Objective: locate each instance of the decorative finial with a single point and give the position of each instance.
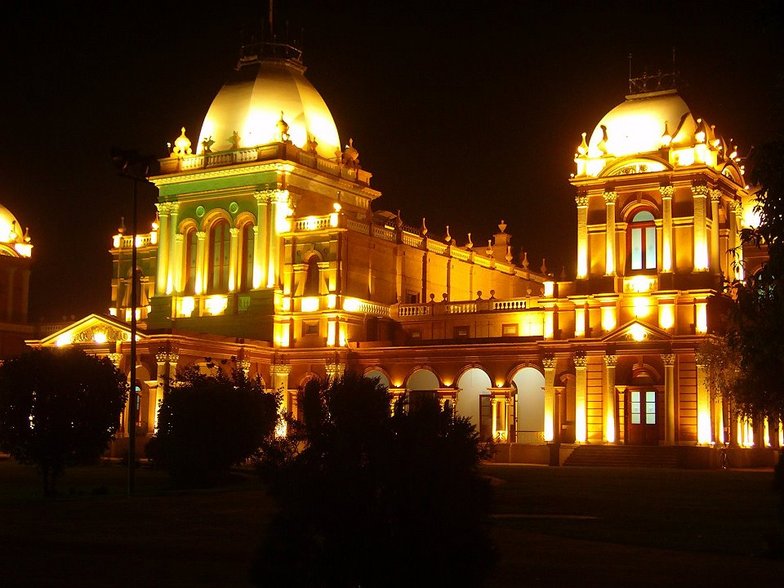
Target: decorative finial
(398, 221)
(502, 226)
(448, 237)
(283, 129)
(525, 263)
(312, 144)
(543, 269)
(182, 145)
(121, 228)
(207, 144)
(583, 148)
(351, 155)
(27, 235)
(423, 231)
(603, 143)
(470, 244)
(666, 138)
(509, 254)
(489, 249)
(234, 140)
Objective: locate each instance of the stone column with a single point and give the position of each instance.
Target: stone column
(233, 261)
(163, 248)
(668, 359)
(581, 397)
(733, 240)
(666, 249)
(582, 236)
(610, 257)
(550, 420)
(279, 374)
(608, 399)
(177, 267)
(175, 260)
(699, 194)
(715, 197)
(260, 232)
(704, 429)
(201, 269)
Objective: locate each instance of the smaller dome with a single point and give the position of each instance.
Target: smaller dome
(10, 231)
(637, 125)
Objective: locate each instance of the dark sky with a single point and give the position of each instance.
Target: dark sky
(465, 116)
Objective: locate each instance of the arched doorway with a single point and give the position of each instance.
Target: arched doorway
(422, 385)
(473, 400)
(529, 383)
(383, 379)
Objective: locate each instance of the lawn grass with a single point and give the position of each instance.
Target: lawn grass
(552, 527)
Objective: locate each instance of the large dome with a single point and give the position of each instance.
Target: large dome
(251, 104)
(638, 124)
(10, 231)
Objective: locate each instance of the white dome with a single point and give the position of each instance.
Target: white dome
(251, 104)
(636, 126)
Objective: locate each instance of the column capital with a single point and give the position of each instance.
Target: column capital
(335, 369)
(581, 200)
(201, 235)
(668, 359)
(264, 196)
(610, 360)
(579, 359)
(234, 231)
(715, 195)
(115, 359)
(667, 191)
(280, 369)
(548, 362)
(699, 190)
(610, 197)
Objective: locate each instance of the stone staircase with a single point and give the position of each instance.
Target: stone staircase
(628, 456)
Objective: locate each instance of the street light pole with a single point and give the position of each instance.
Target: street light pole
(136, 168)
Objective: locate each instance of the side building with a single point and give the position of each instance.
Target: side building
(267, 251)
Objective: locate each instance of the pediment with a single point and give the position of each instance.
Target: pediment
(90, 330)
(636, 331)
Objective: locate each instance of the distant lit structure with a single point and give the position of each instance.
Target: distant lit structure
(266, 249)
(16, 250)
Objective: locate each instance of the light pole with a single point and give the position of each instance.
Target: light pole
(135, 167)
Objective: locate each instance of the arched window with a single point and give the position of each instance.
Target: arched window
(642, 241)
(189, 278)
(220, 240)
(312, 277)
(246, 257)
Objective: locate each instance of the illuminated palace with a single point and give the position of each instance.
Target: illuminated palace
(267, 251)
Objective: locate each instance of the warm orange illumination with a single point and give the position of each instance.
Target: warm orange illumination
(549, 288)
(186, 304)
(666, 315)
(216, 305)
(100, 337)
(701, 317)
(352, 304)
(642, 306)
(63, 340)
(579, 322)
(608, 318)
(637, 332)
(309, 304)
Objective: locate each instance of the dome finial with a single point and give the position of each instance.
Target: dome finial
(448, 237)
(234, 140)
(603, 143)
(583, 148)
(666, 138)
(283, 129)
(182, 145)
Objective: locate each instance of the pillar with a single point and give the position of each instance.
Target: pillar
(260, 232)
(610, 257)
(733, 240)
(499, 401)
(608, 399)
(715, 198)
(177, 266)
(550, 420)
(704, 430)
(279, 374)
(581, 395)
(582, 236)
(163, 248)
(201, 272)
(233, 255)
(668, 359)
(174, 263)
(666, 250)
(699, 194)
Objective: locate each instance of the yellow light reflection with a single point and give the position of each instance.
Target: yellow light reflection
(608, 318)
(666, 316)
(309, 304)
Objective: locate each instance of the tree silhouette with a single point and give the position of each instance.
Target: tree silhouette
(377, 497)
(59, 408)
(210, 422)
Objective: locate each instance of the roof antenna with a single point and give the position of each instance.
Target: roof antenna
(630, 73)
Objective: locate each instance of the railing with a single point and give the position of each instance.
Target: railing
(414, 310)
(312, 223)
(511, 304)
(467, 307)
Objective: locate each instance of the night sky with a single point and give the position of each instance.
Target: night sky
(465, 116)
